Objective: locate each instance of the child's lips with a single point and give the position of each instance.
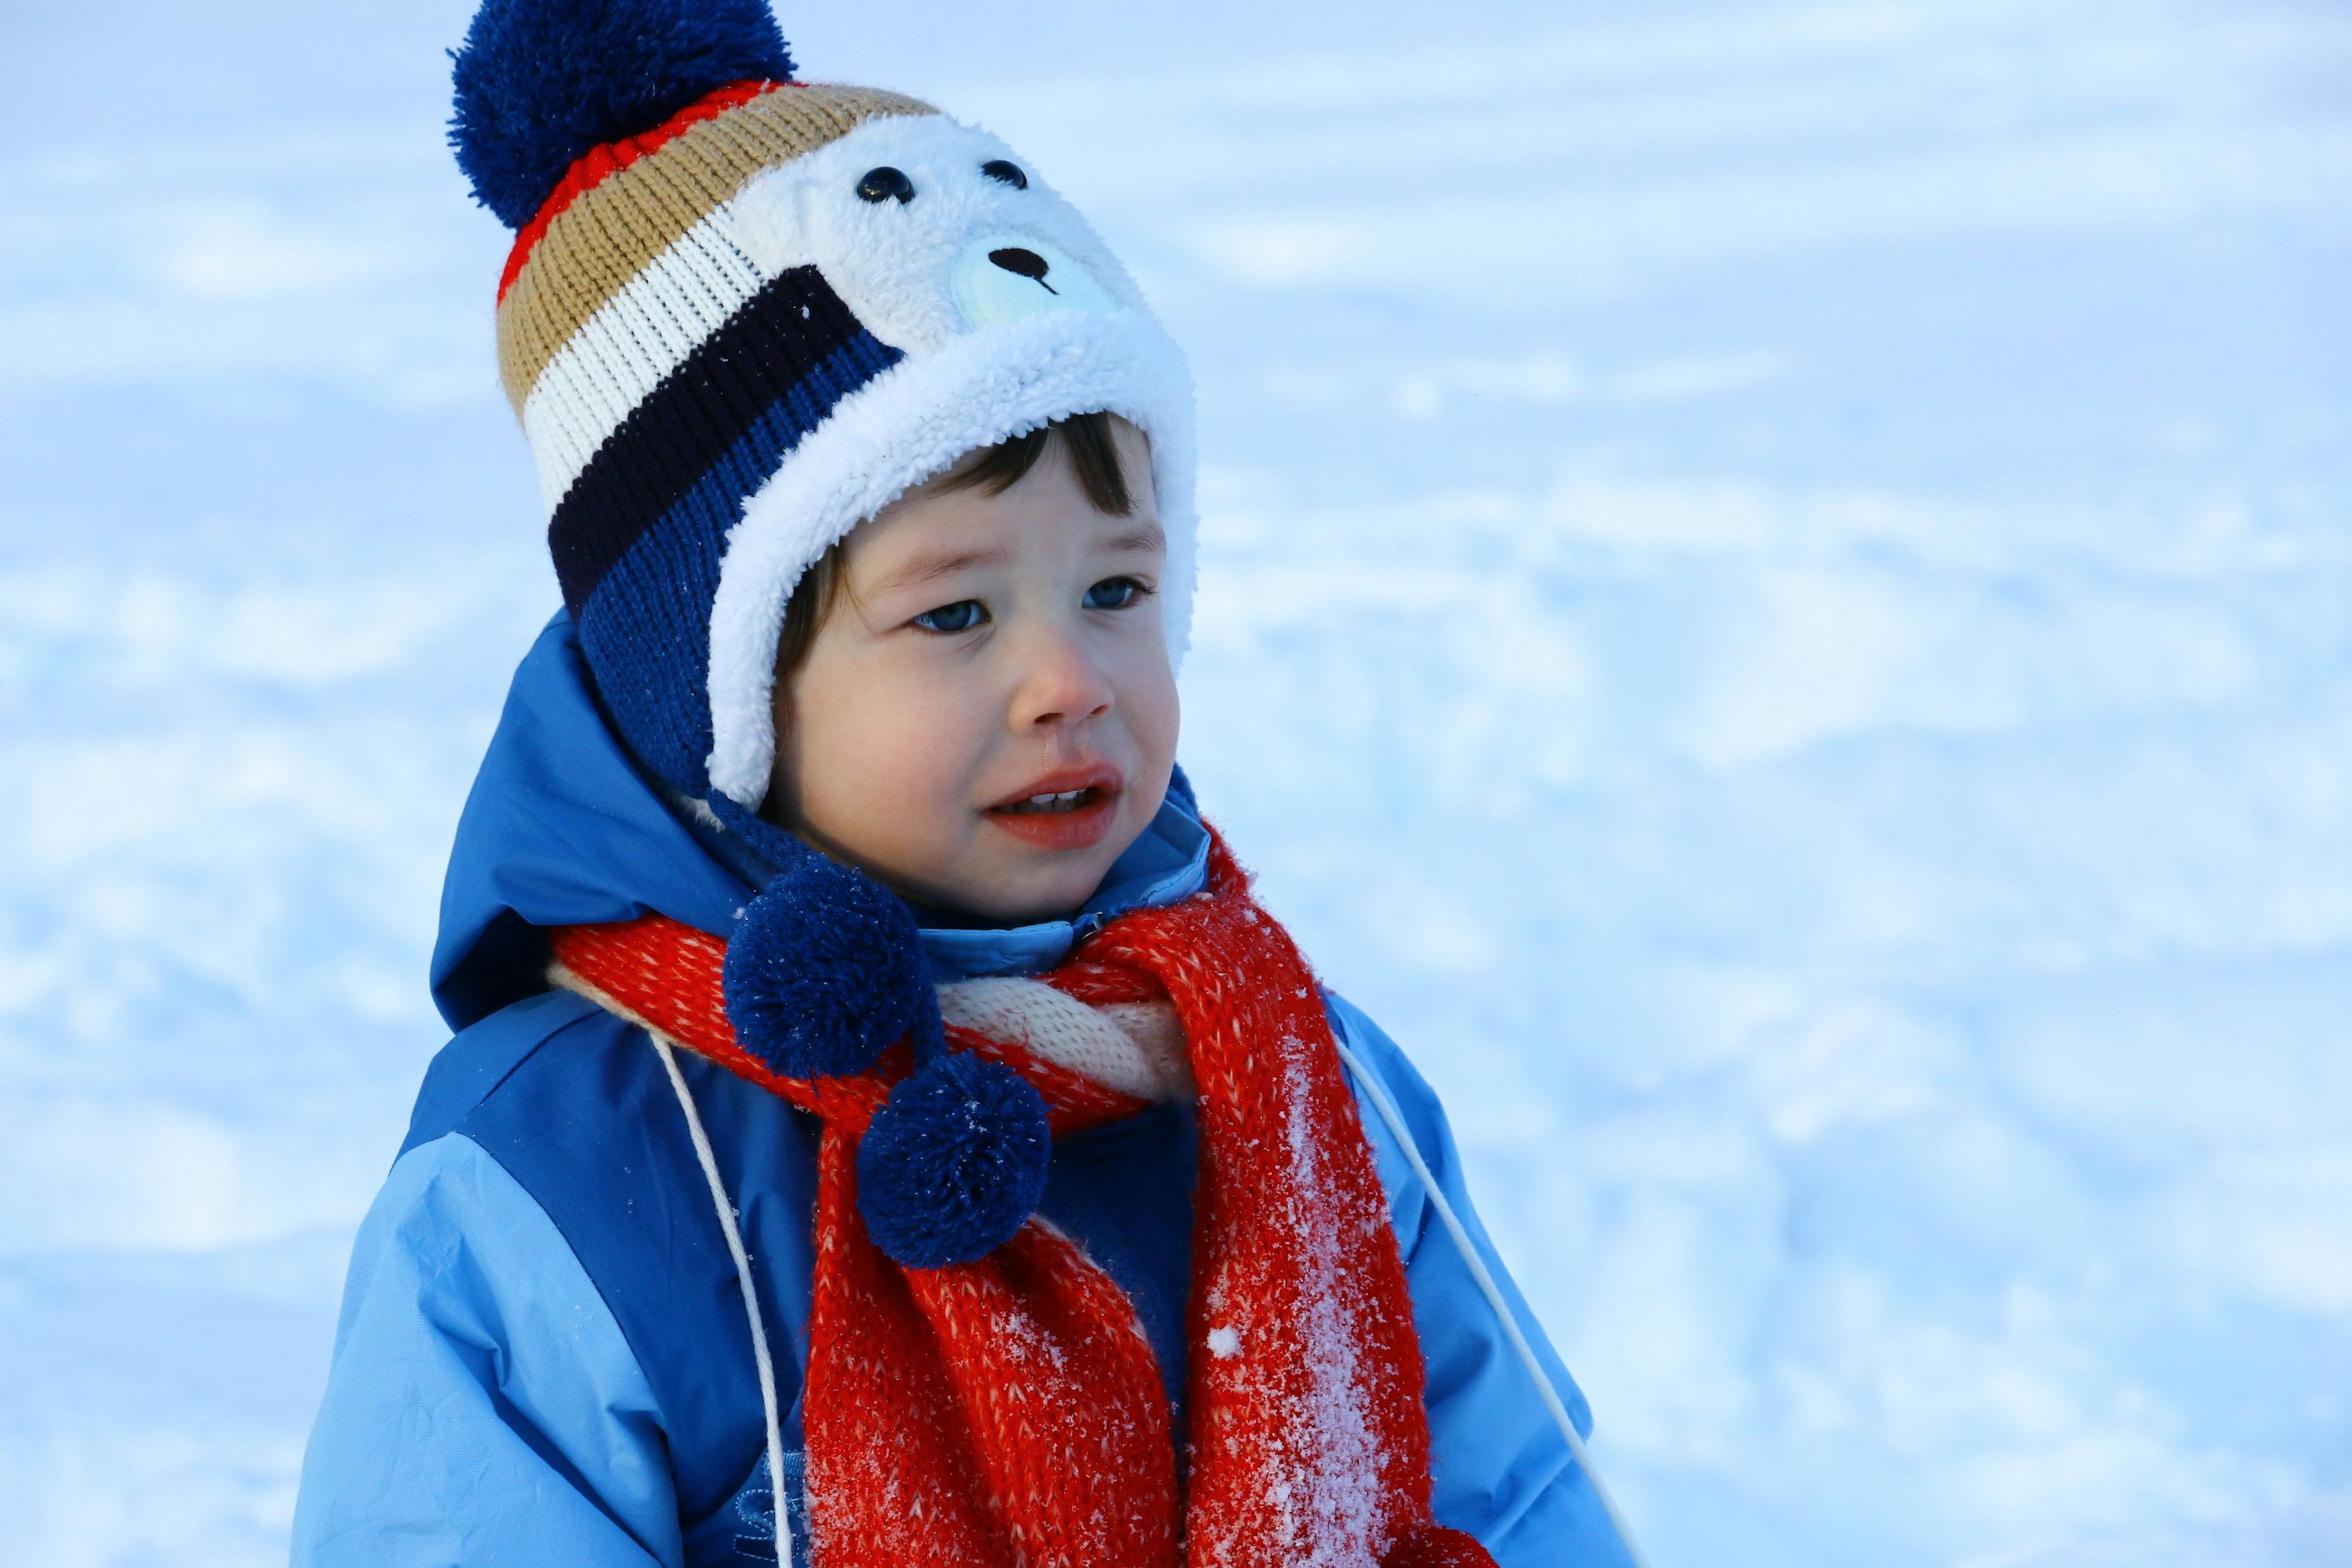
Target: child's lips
(1067, 811)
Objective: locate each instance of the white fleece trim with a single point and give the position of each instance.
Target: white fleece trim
(636, 338)
(911, 422)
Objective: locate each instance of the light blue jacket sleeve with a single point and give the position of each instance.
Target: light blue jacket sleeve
(1499, 1465)
(482, 1406)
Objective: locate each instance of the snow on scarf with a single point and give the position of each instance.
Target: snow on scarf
(1009, 1411)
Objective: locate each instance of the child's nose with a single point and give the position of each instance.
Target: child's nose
(1062, 684)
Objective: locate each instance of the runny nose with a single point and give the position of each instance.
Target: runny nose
(1026, 263)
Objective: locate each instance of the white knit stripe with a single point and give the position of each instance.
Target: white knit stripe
(767, 1366)
(1127, 1050)
(636, 338)
(555, 426)
(1159, 1035)
(1377, 1093)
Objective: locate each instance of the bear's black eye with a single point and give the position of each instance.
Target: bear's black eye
(998, 169)
(881, 185)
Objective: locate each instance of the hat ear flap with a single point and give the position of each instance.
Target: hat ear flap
(540, 82)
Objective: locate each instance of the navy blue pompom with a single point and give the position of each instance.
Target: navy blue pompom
(954, 1164)
(542, 82)
(824, 971)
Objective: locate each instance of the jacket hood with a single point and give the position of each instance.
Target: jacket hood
(562, 829)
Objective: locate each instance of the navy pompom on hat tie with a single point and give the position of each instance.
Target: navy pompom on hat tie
(954, 1163)
(825, 972)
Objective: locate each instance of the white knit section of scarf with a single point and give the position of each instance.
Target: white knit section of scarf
(1134, 1048)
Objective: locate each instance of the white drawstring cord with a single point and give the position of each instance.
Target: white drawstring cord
(1492, 1292)
(751, 1299)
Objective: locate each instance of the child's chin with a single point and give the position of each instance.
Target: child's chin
(1029, 902)
(1029, 887)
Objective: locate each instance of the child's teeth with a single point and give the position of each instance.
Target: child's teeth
(1053, 802)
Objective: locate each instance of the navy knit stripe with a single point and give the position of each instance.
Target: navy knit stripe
(646, 628)
(646, 634)
(786, 343)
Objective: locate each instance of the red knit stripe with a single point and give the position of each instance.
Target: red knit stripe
(1053, 1371)
(601, 163)
(668, 974)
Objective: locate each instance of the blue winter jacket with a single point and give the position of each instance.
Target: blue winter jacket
(542, 1355)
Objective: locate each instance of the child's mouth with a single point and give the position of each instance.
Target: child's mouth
(1063, 801)
(1059, 819)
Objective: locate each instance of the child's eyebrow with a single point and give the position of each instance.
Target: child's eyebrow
(1145, 535)
(930, 568)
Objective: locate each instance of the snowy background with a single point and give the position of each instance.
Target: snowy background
(1778, 604)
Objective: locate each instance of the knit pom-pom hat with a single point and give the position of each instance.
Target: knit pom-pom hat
(743, 313)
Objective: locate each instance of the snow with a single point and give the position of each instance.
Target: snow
(1777, 604)
(1332, 1446)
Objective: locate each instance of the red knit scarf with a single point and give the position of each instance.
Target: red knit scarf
(1009, 1412)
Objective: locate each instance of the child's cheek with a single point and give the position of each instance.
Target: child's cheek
(1154, 711)
(914, 737)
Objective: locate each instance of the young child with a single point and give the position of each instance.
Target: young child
(881, 1129)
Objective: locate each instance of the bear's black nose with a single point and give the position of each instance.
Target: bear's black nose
(881, 185)
(1027, 263)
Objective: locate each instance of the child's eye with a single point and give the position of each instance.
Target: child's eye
(1115, 594)
(960, 616)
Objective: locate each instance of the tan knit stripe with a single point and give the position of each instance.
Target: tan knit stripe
(623, 351)
(611, 232)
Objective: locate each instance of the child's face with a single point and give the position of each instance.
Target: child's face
(987, 649)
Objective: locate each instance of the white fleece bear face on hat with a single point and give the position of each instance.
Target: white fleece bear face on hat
(1011, 314)
(977, 241)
